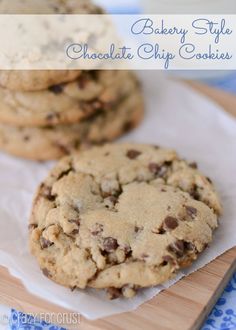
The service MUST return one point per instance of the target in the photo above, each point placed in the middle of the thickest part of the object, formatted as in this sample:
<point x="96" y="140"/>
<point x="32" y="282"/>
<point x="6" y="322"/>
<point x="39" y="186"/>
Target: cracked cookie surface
<point x="66" y="103"/>
<point x="121" y="217"/>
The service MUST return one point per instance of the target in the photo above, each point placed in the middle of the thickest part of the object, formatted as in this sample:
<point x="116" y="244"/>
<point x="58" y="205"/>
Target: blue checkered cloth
<point x="222" y="317"/>
<point x="227" y="83"/>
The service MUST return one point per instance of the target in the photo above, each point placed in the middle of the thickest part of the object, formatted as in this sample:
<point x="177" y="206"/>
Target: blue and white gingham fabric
<point x="228" y="84"/>
<point x="223" y="315"/>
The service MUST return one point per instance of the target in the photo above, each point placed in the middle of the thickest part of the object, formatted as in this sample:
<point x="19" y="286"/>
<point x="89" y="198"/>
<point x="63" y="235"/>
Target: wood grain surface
<point x="184" y="306"/>
<point x="224" y="99"/>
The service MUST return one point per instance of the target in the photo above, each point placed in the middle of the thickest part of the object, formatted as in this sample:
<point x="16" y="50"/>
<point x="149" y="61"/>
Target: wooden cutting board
<point x="184" y="306"/>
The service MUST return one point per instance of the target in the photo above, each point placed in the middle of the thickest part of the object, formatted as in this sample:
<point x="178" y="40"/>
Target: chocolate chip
<point x="154" y="168"/>
<point x="138" y="229"/>
<point x="82" y="81"/>
<point x="49" y="127"/>
<point x="112" y="193"/>
<point x="166" y="260"/>
<point x="195" y="195"/>
<point x="105" y="194"/>
<point x="75" y="232"/>
<point x="193" y="165"/>
<point x="177" y="248"/>
<point x="97" y="230"/>
<point x="32" y="226"/>
<point x="113" y="293"/>
<point x="47" y="193"/>
<point x="170" y="223"/>
<point x="56" y="89"/>
<point x="113" y="199"/>
<point x="72" y="288"/>
<point x="46" y="272"/>
<point x="56" y="8"/>
<point x="206" y="245"/>
<point x="76" y="144"/>
<point x="128" y="251"/>
<point x="194" y="192"/>
<point x="89" y="107"/>
<point x="133" y="154"/>
<point x="45" y="243"/>
<point x="209" y="180"/>
<point x="127" y="126"/>
<point x="156" y="147"/>
<point x="189" y="246"/>
<point x="76" y="208"/>
<point x="159" y="231"/>
<point x="75" y="221"/>
<point x="158" y="169"/>
<point x="63" y="148"/>
<point x="191" y="211"/>
<point x="26" y="138"/>
<point x="52" y="116"/>
<point x="110" y="244"/>
<point x="110" y="201"/>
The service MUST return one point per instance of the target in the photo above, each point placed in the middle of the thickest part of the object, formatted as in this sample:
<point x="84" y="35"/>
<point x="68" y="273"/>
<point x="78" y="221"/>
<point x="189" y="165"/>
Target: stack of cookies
<point x="96" y="107"/>
<point x="47" y="114"/>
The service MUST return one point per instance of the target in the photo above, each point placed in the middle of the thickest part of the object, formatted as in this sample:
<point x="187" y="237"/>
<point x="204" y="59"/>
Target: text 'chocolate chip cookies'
<point x="121" y="217"/>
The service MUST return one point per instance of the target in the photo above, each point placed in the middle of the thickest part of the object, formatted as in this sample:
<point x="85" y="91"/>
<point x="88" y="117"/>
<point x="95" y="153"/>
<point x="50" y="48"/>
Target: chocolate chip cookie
<point x="29" y="80"/>
<point x="121" y="217"/>
<point x="66" y="103"/>
<point x="51" y="142"/>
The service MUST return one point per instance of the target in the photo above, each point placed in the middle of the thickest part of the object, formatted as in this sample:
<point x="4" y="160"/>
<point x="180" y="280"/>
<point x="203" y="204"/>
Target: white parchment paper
<point x="176" y="117"/>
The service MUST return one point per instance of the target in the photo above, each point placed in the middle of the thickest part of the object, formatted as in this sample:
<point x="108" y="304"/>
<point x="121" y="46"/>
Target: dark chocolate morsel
<point x="133" y="154"/>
